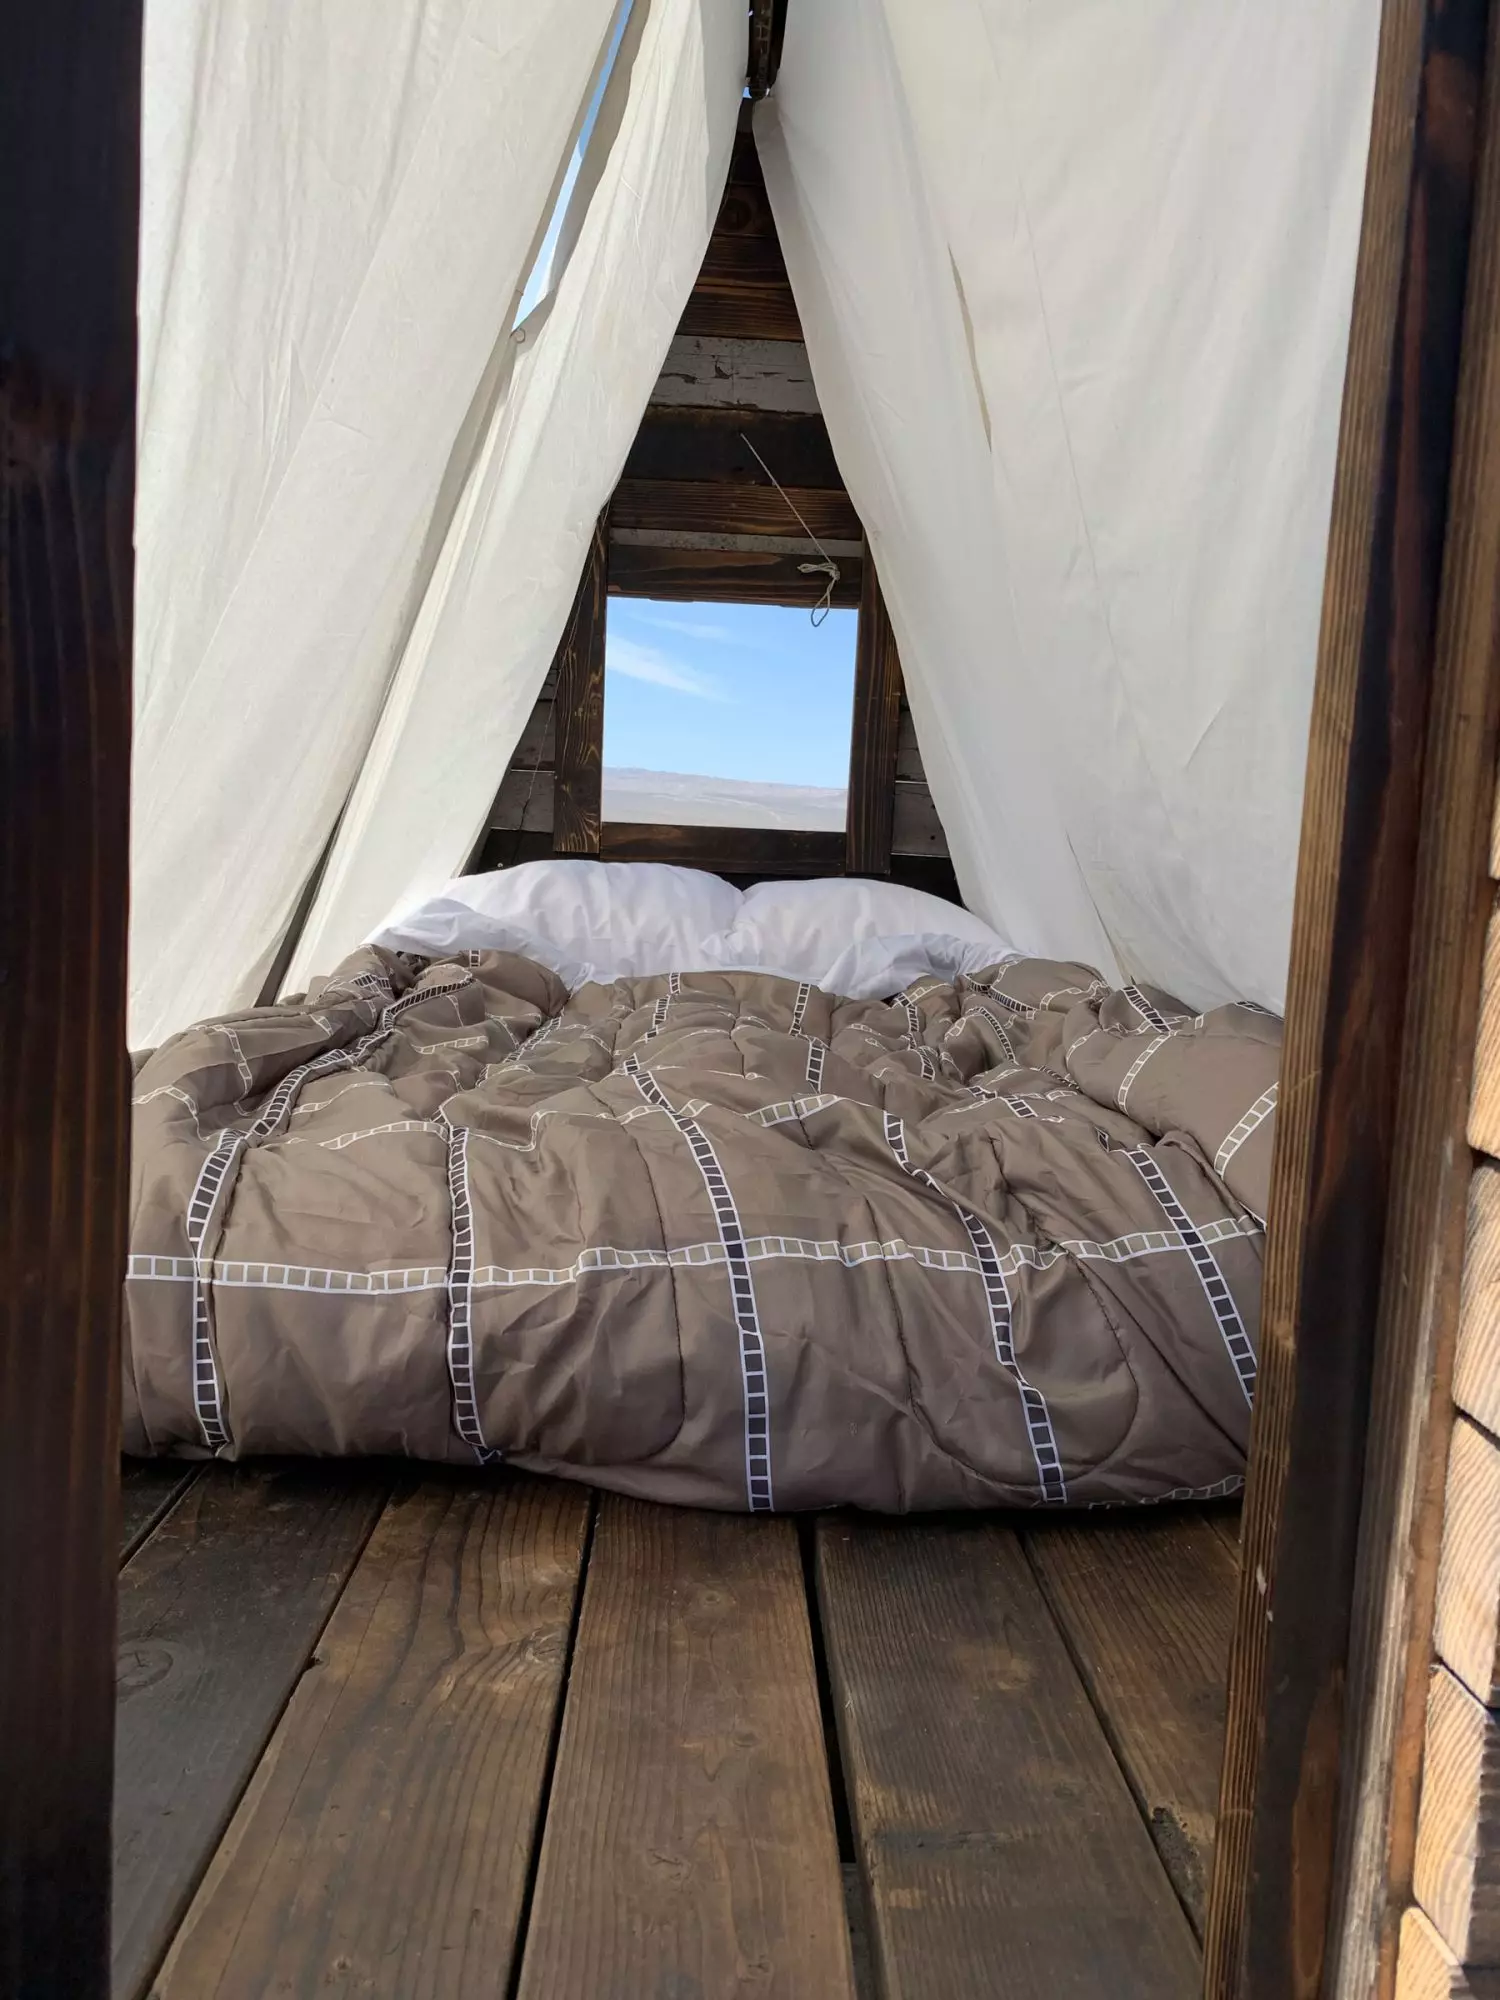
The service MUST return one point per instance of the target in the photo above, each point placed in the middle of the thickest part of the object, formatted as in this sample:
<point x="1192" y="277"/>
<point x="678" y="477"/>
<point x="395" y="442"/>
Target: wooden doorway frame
<point x="1366" y="1213"/>
<point x="69" y="163"/>
<point x="1384" y="973"/>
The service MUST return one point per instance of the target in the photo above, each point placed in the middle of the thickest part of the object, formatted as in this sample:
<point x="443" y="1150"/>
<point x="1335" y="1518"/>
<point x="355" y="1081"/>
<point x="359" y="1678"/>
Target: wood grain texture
<point x="384" y="1843"/>
<point x="690" y="1846"/>
<point x="726" y="850"/>
<point x="69" y="167"/>
<point x="710" y="444"/>
<point x="1484" y="1108"/>
<point x="1270" y="1912"/>
<point x="1427" y="1970"/>
<point x="705" y="506"/>
<point x="148" y="1488"/>
<point x="1411" y="1416"/>
<point x="874" y="735"/>
<point x="762" y="73"/>
<point x="908" y="750"/>
<point x="726" y="576"/>
<point x="1456" y="1878"/>
<point x="578" y="769"/>
<point x="525" y="801"/>
<point x="1466" y="1629"/>
<point x="219" y="1613"/>
<point x="1476" y="1366"/>
<point x="915" y="826"/>
<point x="742" y="288"/>
<point x="1146" y="1608"/>
<point x="716" y="371"/>
<point x="1002" y="1849"/>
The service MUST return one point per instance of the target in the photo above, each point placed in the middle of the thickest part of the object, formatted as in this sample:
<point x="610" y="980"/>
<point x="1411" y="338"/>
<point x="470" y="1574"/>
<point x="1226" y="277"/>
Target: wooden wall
<point x="694" y="518"/>
<point x="1450" y="1937"/>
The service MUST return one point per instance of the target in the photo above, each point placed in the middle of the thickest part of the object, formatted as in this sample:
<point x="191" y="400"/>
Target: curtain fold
<point x="1103" y="257"/>
<point x="339" y="208"/>
<point x="555" y="444"/>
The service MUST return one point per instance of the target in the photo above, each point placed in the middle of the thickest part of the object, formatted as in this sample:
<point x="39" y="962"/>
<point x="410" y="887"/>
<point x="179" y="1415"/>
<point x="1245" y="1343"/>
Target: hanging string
<point x="826" y="566"/>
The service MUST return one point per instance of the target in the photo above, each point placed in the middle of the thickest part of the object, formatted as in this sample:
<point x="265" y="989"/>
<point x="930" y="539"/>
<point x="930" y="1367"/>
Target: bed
<point x="711" y="1233"/>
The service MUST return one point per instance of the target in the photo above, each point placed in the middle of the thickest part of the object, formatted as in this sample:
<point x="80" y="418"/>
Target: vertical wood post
<point x="1269" y="1908"/>
<point x="578" y="786"/>
<point x="874" y="736"/>
<point x="69" y="164"/>
<point x="1411" y="1408"/>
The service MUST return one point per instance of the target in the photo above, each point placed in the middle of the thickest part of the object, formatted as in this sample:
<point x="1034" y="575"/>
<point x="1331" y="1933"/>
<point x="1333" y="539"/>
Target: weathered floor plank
<point x="690" y="1845"/>
<point x="218" y="1614"/>
<point x="148" y="1488"/>
<point x="1147" y="1608"/>
<point x="384" y="1843"/>
<point x="1003" y="1851"/>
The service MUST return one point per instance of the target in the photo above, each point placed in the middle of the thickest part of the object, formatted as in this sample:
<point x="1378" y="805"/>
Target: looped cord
<point x="825" y="566"/>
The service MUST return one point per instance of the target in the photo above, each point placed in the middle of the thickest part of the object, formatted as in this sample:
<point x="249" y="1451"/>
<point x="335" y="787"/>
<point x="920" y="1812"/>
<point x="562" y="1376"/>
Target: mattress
<point x="717" y="1238"/>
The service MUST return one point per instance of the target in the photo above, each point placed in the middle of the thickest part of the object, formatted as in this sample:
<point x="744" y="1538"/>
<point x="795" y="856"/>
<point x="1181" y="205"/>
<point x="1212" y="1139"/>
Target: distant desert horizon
<point x="683" y="798"/>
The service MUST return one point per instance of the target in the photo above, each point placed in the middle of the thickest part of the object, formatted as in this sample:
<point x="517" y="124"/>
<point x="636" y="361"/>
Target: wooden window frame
<point x="579" y="828"/>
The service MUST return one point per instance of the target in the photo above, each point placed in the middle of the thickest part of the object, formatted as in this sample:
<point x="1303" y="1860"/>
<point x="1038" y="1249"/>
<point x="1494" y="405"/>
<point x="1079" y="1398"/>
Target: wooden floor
<point x="431" y="1737"/>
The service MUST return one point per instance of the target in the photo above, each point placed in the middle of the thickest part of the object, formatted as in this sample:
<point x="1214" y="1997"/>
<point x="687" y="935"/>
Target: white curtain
<point x="565" y="414"/>
<point x="1076" y="285"/>
<point x="340" y="203"/>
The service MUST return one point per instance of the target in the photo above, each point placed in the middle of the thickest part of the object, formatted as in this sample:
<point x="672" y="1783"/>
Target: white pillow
<point x="863" y="939"/>
<point x="585" y="919"/>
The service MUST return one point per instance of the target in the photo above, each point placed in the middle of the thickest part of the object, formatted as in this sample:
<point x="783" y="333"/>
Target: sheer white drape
<point x="340" y="204"/>
<point x="1076" y="285"/>
<point x="555" y="442"/>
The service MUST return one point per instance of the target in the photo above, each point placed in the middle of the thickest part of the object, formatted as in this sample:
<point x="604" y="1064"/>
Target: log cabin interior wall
<point x="695" y="519"/>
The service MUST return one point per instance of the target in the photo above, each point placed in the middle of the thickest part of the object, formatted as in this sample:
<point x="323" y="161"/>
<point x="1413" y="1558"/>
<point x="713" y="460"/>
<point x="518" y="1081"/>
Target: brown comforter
<point x="711" y="1238"/>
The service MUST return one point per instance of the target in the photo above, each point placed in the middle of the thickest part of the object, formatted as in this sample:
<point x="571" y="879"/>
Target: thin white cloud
<point x="719" y="635"/>
<point x="638" y="662"/>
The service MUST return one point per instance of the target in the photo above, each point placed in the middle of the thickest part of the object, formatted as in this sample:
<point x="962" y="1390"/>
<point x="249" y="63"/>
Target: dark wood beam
<point x="726" y="576"/>
<point x="708" y="506"/>
<point x="875" y="735"/>
<point x="69" y="167"/>
<point x="580" y="707"/>
<point x="1336" y="1148"/>
<point x="727" y="850"/>
<point x="710" y="444"/>
<point x="764" y="46"/>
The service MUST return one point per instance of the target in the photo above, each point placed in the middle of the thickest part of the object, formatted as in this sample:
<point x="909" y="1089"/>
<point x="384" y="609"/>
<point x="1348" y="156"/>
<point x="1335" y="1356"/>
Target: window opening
<point x="727" y="714"/>
<point x="539" y="283"/>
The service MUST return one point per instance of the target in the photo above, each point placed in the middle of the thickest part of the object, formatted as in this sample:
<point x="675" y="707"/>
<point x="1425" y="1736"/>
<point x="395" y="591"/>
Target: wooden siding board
<point x="1456" y="1878"/>
<point x="1476" y="1367"/>
<point x="1466" y="1629"/>
<point x="874" y="731"/>
<point x="578" y="774"/>
<point x="1427" y="1970"/>
<point x="525" y="802"/>
<point x="916" y="828"/>
<point x="1271" y="1905"/>
<point x="708" y="371"/>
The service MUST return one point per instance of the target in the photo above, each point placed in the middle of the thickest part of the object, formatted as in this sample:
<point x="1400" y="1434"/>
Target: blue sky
<point x="748" y="691"/>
